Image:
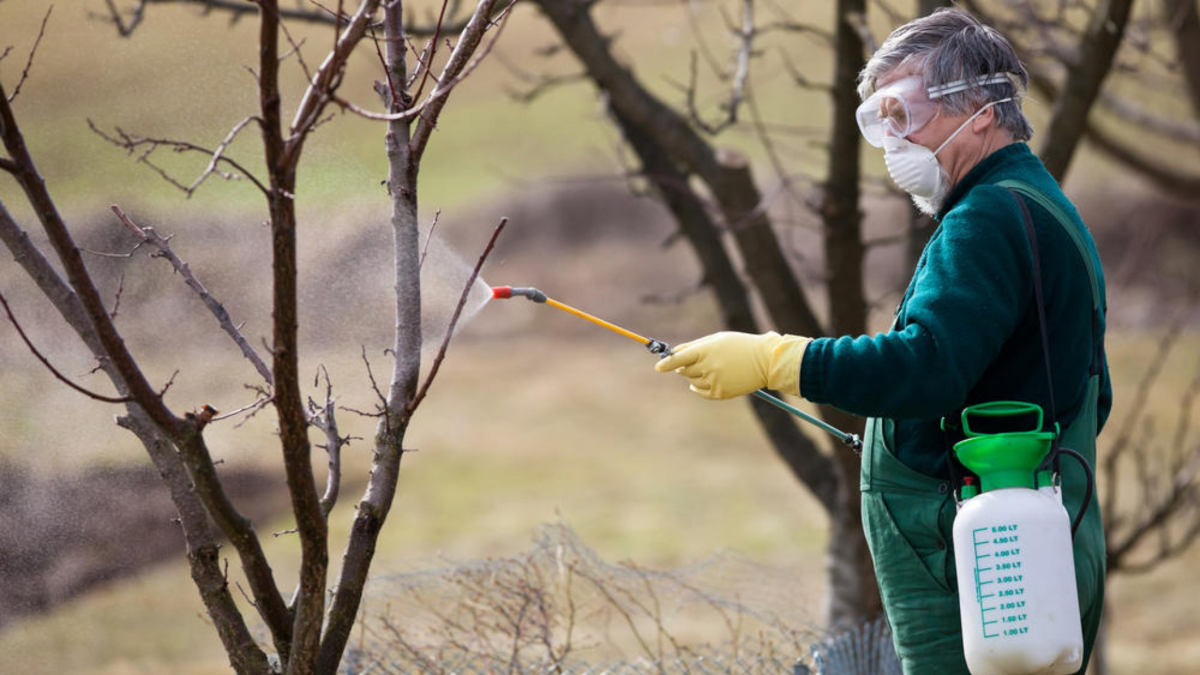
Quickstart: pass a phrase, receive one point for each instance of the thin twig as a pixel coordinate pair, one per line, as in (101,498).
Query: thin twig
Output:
(429,238)
(258,404)
(219,154)
(435,97)
(32,52)
(45,362)
(432,51)
(117,301)
(381,410)
(769,146)
(131,143)
(462,301)
(466,56)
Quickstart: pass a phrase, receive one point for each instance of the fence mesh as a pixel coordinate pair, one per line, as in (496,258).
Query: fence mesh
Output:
(559,608)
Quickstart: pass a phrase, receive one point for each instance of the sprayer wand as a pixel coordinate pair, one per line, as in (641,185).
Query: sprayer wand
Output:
(662,349)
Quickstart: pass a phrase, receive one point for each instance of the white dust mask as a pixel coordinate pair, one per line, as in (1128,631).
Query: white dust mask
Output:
(914,167)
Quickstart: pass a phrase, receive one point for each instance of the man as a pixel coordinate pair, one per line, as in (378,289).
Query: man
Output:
(942,98)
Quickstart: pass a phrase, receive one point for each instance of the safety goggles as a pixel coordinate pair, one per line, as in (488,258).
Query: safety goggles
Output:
(898,109)
(903,107)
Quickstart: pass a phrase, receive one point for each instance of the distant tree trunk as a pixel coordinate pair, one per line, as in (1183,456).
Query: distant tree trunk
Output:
(853,594)
(1085,76)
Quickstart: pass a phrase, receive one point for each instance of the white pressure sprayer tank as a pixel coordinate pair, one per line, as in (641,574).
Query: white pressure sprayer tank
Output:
(1012,547)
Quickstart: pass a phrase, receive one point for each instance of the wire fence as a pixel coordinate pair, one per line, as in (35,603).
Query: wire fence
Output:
(560,609)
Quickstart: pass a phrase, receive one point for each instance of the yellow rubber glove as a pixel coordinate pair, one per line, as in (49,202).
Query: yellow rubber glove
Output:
(728,364)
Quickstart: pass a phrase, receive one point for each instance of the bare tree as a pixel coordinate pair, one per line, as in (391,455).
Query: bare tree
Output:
(309,630)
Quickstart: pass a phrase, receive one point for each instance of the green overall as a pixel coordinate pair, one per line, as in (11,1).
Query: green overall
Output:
(908,518)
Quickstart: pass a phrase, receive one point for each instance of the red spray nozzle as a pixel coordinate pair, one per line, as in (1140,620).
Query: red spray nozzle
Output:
(503,292)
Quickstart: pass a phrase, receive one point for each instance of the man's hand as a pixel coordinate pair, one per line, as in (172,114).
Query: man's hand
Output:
(728,364)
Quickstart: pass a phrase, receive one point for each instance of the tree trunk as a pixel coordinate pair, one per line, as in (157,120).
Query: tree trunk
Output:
(853,593)
(406,352)
(1069,119)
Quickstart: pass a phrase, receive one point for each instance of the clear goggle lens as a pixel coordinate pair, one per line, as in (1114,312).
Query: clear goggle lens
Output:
(899,109)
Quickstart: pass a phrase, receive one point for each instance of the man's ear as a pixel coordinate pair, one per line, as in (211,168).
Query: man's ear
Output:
(986,119)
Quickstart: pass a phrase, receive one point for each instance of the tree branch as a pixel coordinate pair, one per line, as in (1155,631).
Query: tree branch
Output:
(131,144)
(148,235)
(1132,113)
(281,156)
(32,52)
(324,418)
(325,82)
(462,60)
(741,73)
(49,366)
(376,503)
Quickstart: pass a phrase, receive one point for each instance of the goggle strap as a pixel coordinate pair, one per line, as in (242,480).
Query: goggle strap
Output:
(962,85)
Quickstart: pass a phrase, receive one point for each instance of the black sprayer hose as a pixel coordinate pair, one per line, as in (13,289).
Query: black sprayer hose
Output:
(1091,486)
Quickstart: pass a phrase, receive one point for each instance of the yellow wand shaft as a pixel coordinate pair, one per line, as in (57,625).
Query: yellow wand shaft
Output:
(598,321)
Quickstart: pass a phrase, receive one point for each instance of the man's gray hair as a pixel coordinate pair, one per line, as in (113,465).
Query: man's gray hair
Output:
(951,46)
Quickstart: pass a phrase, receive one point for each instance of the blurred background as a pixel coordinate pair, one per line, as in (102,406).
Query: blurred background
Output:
(536,417)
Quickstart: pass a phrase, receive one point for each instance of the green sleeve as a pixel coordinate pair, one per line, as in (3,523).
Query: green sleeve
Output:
(966,297)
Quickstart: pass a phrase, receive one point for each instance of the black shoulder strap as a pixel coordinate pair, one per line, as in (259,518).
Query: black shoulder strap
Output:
(1052,458)
(1039,297)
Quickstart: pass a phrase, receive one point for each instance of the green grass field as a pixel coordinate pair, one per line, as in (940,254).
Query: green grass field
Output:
(534,418)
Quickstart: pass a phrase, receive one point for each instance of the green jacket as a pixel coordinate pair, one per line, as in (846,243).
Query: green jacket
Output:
(967,330)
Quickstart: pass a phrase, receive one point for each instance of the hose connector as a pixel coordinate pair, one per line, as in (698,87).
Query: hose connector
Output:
(659,348)
(505,292)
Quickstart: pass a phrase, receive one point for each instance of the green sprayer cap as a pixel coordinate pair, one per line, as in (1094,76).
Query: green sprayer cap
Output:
(1005,459)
